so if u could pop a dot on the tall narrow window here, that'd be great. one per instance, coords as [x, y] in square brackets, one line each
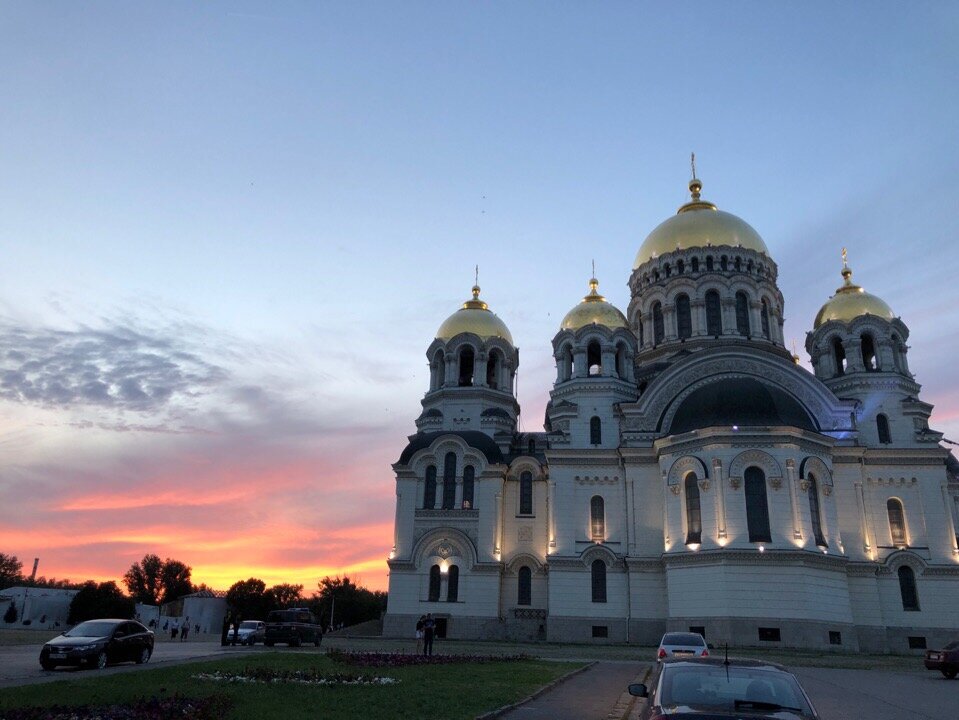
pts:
[714, 314]
[492, 370]
[526, 493]
[621, 362]
[815, 515]
[639, 327]
[429, 494]
[695, 264]
[742, 314]
[594, 358]
[439, 360]
[598, 581]
[453, 584]
[466, 367]
[764, 318]
[882, 426]
[709, 263]
[595, 431]
[868, 352]
[680, 267]
[524, 593]
[694, 519]
[723, 263]
[449, 481]
[738, 264]
[434, 595]
[469, 475]
[597, 518]
[839, 354]
[907, 589]
[658, 328]
[897, 522]
[531, 447]
[757, 507]
[684, 318]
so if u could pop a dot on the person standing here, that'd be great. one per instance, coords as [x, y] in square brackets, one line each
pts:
[236, 628]
[185, 630]
[225, 630]
[419, 634]
[428, 629]
[174, 629]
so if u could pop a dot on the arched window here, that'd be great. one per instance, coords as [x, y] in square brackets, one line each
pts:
[868, 347]
[709, 263]
[565, 363]
[684, 318]
[882, 426]
[680, 267]
[524, 592]
[597, 518]
[598, 581]
[764, 318]
[639, 328]
[695, 264]
[449, 481]
[723, 263]
[595, 431]
[667, 270]
[738, 264]
[453, 584]
[531, 447]
[742, 314]
[492, 370]
[526, 493]
[466, 367]
[439, 377]
[907, 589]
[815, 516]
[621, 361]
[694, 520]
[658, 328]
[594, 358]
[757, 507]
[469, 475]
[839, 353]
[429, 494]
[714, 314]
[897, 522]
[434, 595]
[749, 267]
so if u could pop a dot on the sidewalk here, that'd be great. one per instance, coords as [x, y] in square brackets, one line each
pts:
[593, 694]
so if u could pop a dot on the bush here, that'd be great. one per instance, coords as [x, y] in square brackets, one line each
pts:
[173, 708]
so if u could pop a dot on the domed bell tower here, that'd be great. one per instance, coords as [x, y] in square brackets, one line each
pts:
[472, 372]
[858, 349]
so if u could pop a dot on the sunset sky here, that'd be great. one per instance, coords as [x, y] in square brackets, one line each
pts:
[229, 232]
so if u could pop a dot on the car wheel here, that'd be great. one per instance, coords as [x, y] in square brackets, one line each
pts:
[101, 661]
[144, 656]
[268, 643]
[295, 642]
[950, 673]
[47, 665]
[316, 640]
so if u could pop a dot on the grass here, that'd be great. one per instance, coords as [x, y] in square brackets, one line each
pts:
[456, 691]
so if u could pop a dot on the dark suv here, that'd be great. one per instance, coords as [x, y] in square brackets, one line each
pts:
[293, 627]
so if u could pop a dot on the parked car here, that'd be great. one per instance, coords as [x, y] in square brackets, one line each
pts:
[945, 661]
[95, 643]
[715, 688]
[684, 644]
[251, 632]
[293, 627]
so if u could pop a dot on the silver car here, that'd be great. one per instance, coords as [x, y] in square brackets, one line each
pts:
[681, 644]
[251, 632]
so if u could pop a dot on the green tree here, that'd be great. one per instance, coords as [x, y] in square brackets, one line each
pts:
[175, 578]
[350, 603]
[105, 600]
[144, 580]
[10, 570]
[286, 595]
[250, 599]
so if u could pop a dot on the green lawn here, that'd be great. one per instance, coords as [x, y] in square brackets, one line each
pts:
[462, 690]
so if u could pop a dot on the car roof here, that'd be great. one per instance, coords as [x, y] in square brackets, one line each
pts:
[717, 661]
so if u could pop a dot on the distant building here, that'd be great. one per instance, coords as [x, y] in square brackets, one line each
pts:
[691, 474]
[38, 608]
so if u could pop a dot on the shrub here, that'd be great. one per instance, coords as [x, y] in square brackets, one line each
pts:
[172, 708]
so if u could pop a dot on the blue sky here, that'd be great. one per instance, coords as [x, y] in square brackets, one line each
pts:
[271, 207]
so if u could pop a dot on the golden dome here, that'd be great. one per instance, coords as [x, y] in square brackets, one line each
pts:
[474, 317]
[593, 309]
[699, 224]
[851, 301]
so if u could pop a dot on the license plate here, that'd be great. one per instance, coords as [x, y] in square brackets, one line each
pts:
[933, 656]
[58, 656]
[682, 652]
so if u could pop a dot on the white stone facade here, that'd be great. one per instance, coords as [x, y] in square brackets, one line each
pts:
[690, 475]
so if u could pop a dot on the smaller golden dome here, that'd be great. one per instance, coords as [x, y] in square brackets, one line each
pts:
[474, 317]
[851, 301]
[593, 309]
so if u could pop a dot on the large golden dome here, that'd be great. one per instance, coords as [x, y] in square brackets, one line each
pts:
[474, 317]
[593, 309]
[851, 301]
[699, 224]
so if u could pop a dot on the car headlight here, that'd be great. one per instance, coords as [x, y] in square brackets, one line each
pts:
[92, 646]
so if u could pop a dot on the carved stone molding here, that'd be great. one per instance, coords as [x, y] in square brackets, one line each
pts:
[804, 485]
[892, 482]
[674, 489]
[776, 482]
[734, 483]
[596, 480]
[704, 485]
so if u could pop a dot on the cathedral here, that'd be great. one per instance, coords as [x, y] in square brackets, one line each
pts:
[691, 475]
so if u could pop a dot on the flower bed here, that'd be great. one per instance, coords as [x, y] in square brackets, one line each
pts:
[385, 659]
[172, 708]
[299, 677]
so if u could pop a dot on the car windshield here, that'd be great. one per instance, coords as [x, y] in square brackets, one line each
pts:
[731, 688]
[951, 646]
[281, 616]
[91, 628]
[683, 639]
[248, 625]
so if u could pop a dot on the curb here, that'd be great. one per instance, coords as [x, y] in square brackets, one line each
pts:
[546, 688]
[624, 705]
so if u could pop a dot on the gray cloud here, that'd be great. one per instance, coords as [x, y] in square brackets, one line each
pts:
[120, 368]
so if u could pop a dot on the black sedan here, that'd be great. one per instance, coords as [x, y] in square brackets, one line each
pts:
[95, 643]
[715, 688]
[945, 661]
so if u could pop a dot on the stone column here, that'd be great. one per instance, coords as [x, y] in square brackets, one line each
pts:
[863, 522]
[396, 521]
[608, 360]
[853, 349]
[458, 494]
[755, 320]
[728, 307]
[721, 532]
[451, 369]
[792, 480]
[498, 531]
[580, 370]
[550, 512]
[670, 333]
[697, 309]
[950, 519]
[479, 369]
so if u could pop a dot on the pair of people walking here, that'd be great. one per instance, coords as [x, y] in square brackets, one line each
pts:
[425, 630]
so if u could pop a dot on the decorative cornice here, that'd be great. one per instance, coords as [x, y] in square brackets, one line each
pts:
[596, 480]
[754, 557]
[447, 514]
